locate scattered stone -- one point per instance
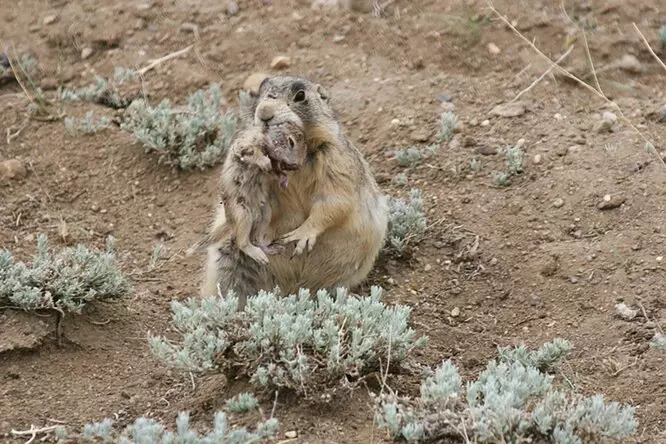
(573, 149)
(485, 122)
(650, 324)
(493, 49)
(232, 8)
(395, 122)
(281, 62)
(12, 169)
(86, 52)
(558, 116)
(455, 312)
(493, 261)
(573, 279)
(444, 98)
(561, 151)
(537, 159)
(607, 115)
(338, 38)
(549, 268)
(50, 19)
(603, 126)
(625, 312)
(630, 64)
(486, 150)
(558, 203)
(468, 141)
(48, 84)
(253, 82)
(420, 135)
(428, 267)
(611, 202)
(513, 109)
(190, 27)
(291, 434)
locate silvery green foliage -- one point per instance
(87, 125)
(658, 341)
(406, 221)
(546, 358)
(500, 178)
(509, 402)
(197, 136)
(65, 280)
(662, 37)
(515, 159)
(149, 431)
(294, 341)
(447, 125)
(243, 402)
(413, 155)
(104, 91)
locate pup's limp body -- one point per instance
(332, 210)
(247, 174)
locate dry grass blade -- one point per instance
(656, 57)
(566, 73)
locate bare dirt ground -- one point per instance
(549, 262)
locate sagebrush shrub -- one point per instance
(105, 91)
(63, 281)
(149, 431)
(658, 342)
(413, 155)
(407, 221)
(299, 342)
(86, 125)
(196, 136)
(511, 401)
(447, 125)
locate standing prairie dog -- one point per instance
(332, 209)
(246, 176)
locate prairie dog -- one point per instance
(332, 209)
(245, 179)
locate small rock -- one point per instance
(650, 324)
(493, 261)
(395, 122)
(253, 82)
(12, 169)
(468, 141)
(573, 149)
(493, 49)
(455, 312)
(603, 126)
(420, 135)
(573, 279)
(486, 150)
(625, 312)
(607, 115)
(428, 267)
(558, 116)
(232, 8)
(561, 151)
(48, 84)
(292, 434)
(444, 98)
(50, 19)
(296, 16)
(611, 202)
(190, 27)
(630, 64)
(338, 38)
(485, 122)
(513, 109)
(86, 52)
(537, 159)
(549, 267)
(280, 62)
(558, 203)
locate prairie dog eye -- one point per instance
(300, 96)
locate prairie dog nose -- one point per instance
(265, 113)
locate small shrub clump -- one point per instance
(511, 401)
(87, 125)
(64, 281)
(407, 221)
(413, 155)
(196, 136)
(149, 431)
(108, 92)
(658, 342)
(242, 403)
(515, 163)
(447, 125)
(296, 342)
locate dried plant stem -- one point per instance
(649, 47)
(566, 73)
(548, 71)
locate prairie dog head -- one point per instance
(254, 155)
(298, 102)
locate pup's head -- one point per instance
(287, 149)
(255, 155)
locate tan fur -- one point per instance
(332, 209)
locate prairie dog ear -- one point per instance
(262, 84)
(323, 94)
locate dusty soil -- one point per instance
(549, 263)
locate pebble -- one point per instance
(573, 279)
(86, 52)
(232, 8)
(395, 122)
(292, 434)
(189, 27)
(428, 267)
(493, 49)
(48, 84)
(253, 82)
(493, 261)
(603, 126)
(537, 159)
(455, 312)
(513, 109)
(338, 38)
(650, 324)
(611, 202)
(558, 203)
(486, 150)
(12, 169)
(607, 115)
(561, 151)
(625, 312)
(280, 62)
(444, 98)
(420, 135)
(485, 122)
(50, 19)
(630, 64)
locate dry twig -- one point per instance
(548, 71)
(153, 63)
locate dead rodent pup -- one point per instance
(245, 182)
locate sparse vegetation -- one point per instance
(297, 342)
(105, 91)
(662, 37)
(64, 281)
(476, 164)
(413, 155)
(242, 403)
(407, 221)
(194, 137)
(447, 126)
(658, 341)
(511, 401)
(87, 125)
(515, 164)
